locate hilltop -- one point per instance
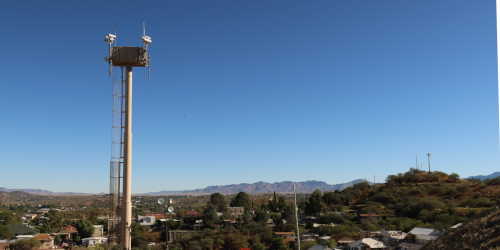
(417, 198)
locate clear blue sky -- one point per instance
(275, 91)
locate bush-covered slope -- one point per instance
(481, 233)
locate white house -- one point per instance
(24, 237)
(147, 221)
(424, 234)
(393, 236)
(94, 241)
(366, 242)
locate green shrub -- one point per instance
(463, 188)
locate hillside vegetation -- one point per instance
(481, 233)
(416, 198)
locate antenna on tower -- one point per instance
(146, 40)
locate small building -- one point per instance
(66, 233)
(94, 241)
(366, 243)
(146, 221)
(308, 236)
(287, 236)
(46, 240)
(24, 237)
(342, 240)
(393, 236)
(426, 234)
(323, 239)
(235, 212)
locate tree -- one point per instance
(9, 218)
(281, 203)
(46, 228)
(258, 246)
(314, 204)
(5, 232)
(139, 235)
(278, 244)
(219, 201)
(85, 228)
(288, 213)
(330, 243)
(57, 239)
(242, 200)
(25, 244)
(211, 216)
(261, 215)
(454, 177)
(235, 241)
(273, 204)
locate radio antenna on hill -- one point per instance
(429, 156)
(121, 146)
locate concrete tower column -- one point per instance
(126, 219)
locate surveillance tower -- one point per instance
(121, 156)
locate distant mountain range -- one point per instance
(40, 191)
(483, 177)
(258, 187)
(262, 187)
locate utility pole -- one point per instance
(297, 233)
(416, 161)
(429, 156)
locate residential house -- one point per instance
(98, 230)
(235, 212)
(393, 236)
(157, 215)
(366, 243)
(30, 216)
(323, 239)
(24, 237)
(426, 234)
(46, 240)
(287, 236)
(342, 240)
(193, 214)
(94, 241)
(146, 221)
(66, 233)
(308, 236)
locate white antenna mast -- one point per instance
(146, 40)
